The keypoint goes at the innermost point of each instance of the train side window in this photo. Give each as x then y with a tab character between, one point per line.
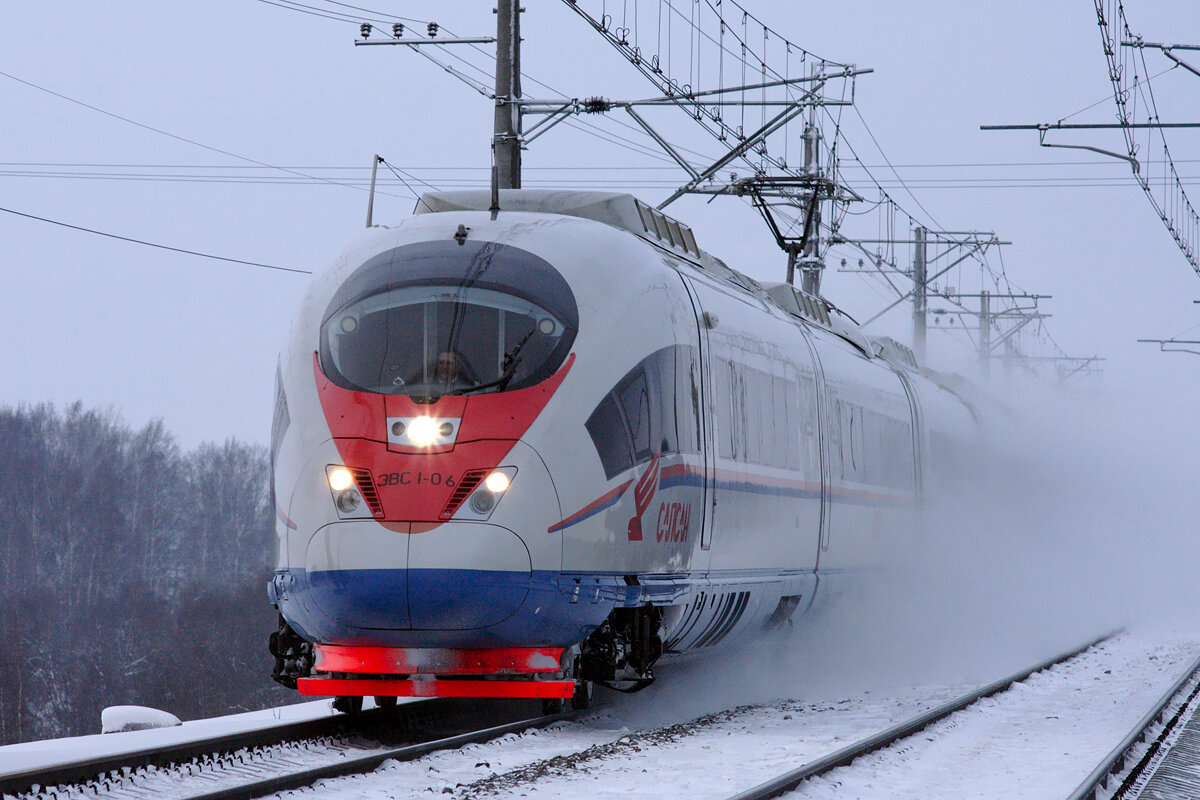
653	409
635	401
785	435
787	397
837	466
687	399
750	416
610	436
660	371
853	467
810	441
723	394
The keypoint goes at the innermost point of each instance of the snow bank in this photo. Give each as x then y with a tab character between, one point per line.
118	719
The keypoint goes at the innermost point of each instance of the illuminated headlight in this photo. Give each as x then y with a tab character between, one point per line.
497	482
347	498
422	431
488	494
340	479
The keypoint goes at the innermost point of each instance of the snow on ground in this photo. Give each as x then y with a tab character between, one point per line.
687	738
1038	740
33	755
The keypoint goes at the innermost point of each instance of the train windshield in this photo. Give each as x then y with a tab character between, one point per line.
429	341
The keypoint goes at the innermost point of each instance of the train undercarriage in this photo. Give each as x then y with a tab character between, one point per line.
620	654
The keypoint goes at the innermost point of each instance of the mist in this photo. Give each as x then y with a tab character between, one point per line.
1076	520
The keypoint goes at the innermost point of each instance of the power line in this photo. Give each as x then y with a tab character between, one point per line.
170	135
357	167
153	244
661	183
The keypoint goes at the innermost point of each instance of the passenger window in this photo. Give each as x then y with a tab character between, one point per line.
610	435
723	394
635	401
654	408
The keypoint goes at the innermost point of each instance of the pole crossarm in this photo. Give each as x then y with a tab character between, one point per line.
849	72
420	42
1085	126
737	151
930	279
1166	51
1191	346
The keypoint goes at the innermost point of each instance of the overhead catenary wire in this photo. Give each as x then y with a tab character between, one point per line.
168	134
157	245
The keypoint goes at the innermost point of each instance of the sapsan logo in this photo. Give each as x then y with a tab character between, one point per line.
643	495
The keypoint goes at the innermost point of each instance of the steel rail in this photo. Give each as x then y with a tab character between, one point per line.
366	763
382	722
1114	763
840	758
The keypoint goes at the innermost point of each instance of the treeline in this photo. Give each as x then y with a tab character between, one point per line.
131	572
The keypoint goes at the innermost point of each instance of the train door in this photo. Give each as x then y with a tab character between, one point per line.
706	433
765	487
824	433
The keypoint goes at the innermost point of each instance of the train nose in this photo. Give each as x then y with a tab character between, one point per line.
456	576
464	575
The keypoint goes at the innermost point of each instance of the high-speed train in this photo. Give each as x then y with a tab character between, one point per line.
518	452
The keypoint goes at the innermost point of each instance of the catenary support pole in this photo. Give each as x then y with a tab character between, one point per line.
371	196
506	140
920	298
985	332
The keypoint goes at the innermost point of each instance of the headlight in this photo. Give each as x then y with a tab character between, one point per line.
422	431
348	501
497	482
340	479
483	501
487	494
345	492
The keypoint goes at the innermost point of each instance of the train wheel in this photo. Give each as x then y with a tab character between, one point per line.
583	695
553	705
385	702
348	705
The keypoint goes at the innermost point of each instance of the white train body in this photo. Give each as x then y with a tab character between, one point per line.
689	457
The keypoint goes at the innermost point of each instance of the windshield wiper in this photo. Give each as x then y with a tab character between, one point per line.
512	360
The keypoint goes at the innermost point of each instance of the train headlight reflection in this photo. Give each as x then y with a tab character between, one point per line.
483	501
423	431
348	501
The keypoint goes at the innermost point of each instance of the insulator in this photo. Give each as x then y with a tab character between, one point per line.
365	29
433	29
398	29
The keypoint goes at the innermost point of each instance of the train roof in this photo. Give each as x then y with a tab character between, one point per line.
624	211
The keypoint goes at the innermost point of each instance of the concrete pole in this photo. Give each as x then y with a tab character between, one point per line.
506	140
985	332
810	262
371	197
920	298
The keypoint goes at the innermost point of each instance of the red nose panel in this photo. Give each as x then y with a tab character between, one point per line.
417	486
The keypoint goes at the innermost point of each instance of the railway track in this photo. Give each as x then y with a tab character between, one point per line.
792	779
259	762
1158	757
294	759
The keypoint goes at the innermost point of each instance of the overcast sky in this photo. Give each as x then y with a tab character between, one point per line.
154	333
